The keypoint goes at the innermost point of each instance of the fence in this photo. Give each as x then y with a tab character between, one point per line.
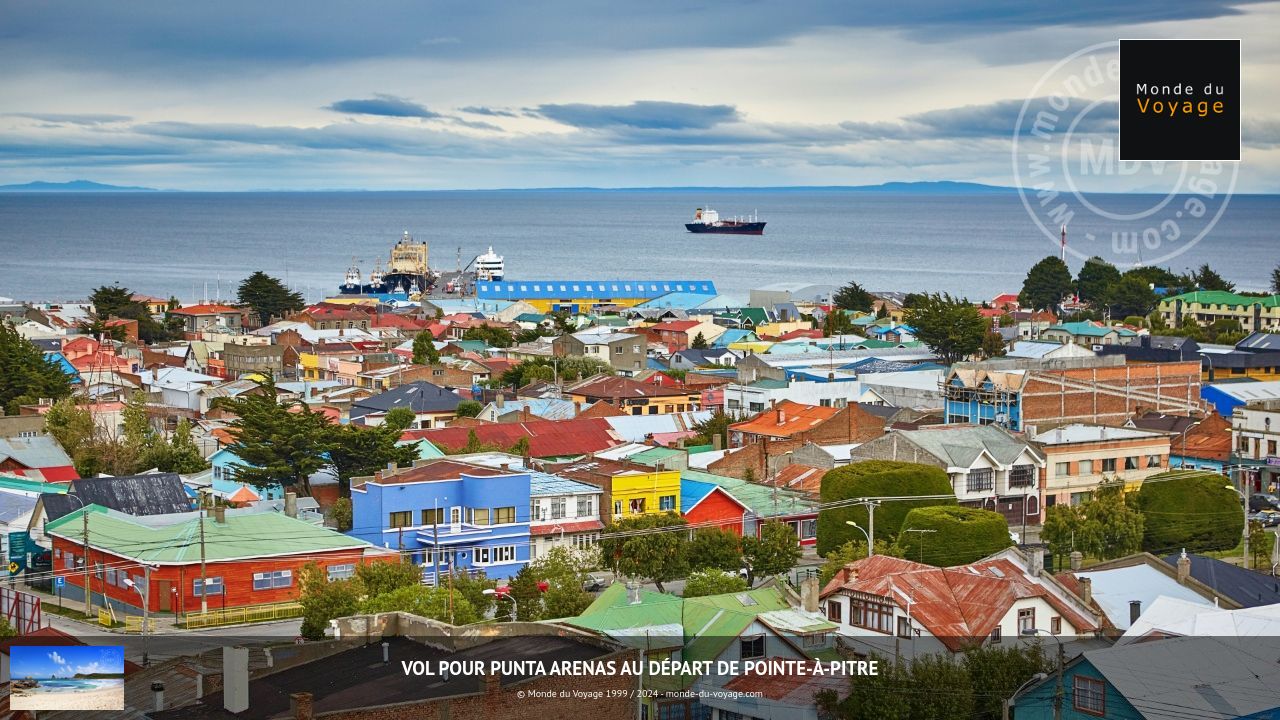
21	610
236	616
133	623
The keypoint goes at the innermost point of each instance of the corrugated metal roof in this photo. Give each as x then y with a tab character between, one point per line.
589	289
547	438
634	428
1077	433
40	451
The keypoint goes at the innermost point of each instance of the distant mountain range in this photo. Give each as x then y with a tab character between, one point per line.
72	186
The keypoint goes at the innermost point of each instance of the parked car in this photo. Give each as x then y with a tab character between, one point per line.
1263	501
593	584
1268	518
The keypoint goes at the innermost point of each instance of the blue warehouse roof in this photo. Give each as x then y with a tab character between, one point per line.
590	289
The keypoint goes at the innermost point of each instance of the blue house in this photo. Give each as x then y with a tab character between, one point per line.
225	466
447	515
1187	677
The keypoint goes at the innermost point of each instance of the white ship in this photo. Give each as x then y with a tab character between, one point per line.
489	266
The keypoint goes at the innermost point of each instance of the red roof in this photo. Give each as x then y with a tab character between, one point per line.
209	309
954	604
392	320
676	325
547	438
786	419
443	469
788	688
59	473
584	526
802	333
804	478
612	386
337	311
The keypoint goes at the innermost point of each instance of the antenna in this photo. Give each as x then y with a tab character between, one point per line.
1064	243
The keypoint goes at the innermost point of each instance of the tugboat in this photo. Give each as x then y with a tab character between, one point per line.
407	272
708	221
351	285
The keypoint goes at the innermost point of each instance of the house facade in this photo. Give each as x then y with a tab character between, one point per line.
1205	307
627	489
633	397
1255	442
624	352
1079	458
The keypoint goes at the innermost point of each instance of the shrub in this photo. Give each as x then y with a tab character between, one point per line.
876	478
961	535
713	582
1192	510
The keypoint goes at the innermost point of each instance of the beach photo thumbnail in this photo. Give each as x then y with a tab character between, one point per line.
67	677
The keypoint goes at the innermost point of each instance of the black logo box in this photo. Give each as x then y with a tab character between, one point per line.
1205	73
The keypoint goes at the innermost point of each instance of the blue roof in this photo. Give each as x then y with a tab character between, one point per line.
589	289
733	335
678	300
693	491
541	483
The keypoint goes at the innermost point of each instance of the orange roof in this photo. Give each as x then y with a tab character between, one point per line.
676	325
786	419
244	495
804	478
209	309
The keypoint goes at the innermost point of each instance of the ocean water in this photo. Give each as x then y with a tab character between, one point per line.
62	685
61	246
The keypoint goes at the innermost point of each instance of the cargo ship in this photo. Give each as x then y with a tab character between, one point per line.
407	273
708	221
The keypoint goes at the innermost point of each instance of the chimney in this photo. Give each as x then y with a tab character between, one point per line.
235	679
220	515
577	408
633	592
1036	562
500	401
525	415
782	415
392	467
301	706
809	594
1135	611
505	465
291	504
1184	568
386	653
717	442
492	684
157	690
1077	560
1086	590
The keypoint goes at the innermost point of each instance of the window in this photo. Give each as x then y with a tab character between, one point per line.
637	506
1062	469
752	647
1055	625
69	561
808	529
1131	462
479	516
996	636
401	519
494	555
536	512
816	640
904	627
1153	461
269	580
434	516
617	507
835	613
667	502
1026	620
341	572
1086	467
980	480
1022	476
557	508
618	350
1109	465
585	506
871	615
212	585
111	576
504	515
1089	695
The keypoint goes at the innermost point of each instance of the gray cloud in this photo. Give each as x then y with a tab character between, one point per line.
491	112
73	118
642	114
384	106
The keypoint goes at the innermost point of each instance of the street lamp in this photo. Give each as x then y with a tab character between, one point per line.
870	550
144	593
1244	502
507	595
1057	693
1006	704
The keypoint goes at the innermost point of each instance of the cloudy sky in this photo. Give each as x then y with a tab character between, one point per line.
414	94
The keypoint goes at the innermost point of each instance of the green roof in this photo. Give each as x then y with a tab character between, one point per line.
693	449
17	483
1088	329
654	455
530	317
426	449
478	346
1222	297
760	499
249	535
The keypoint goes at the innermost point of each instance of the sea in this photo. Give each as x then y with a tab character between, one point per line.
59	246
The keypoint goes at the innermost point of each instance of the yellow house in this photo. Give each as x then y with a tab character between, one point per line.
629	490
309	365
755	346
1203	307
778	329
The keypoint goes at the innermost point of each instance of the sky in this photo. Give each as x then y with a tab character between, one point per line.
420	94
64	661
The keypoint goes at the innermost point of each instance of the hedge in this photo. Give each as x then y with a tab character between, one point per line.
1192	510
960	535
876	478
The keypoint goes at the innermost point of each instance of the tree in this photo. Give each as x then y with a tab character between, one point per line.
6	630
712	582
564	570
281	443
569	369
491	335
341	513
715	426
359	450
837	322
1105	526
1260	543
853	297
876	478
959	535
472	587
1207	279
322	600
267	297
699	342
993	345
1131	296
774	552
1047	283
186	456
380	578
424	349
74	429
1096	279
426	601
658	555
113	301
952	328
1192	510
715	549
469	408
1275	280
26	375
852	551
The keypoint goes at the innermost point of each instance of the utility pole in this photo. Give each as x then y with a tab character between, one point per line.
871	506
204	581
88	589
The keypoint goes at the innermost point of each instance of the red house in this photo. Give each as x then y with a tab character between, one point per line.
706	505
251	558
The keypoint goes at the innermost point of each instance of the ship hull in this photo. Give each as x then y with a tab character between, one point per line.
727	228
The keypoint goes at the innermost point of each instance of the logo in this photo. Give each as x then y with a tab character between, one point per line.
1180	100
1083	197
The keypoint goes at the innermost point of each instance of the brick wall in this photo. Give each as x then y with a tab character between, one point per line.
1114	394
851	424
